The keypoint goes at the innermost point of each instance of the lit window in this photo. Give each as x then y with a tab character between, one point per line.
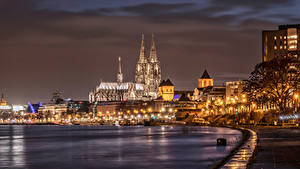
280	37
284	42
280	47
275	47
284	46
284	37
275	37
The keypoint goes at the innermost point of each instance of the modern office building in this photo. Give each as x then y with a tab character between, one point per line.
281	43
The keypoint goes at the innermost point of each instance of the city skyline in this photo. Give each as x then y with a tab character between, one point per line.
48	45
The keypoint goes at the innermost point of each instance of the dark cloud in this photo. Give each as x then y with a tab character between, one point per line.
154	9
255	4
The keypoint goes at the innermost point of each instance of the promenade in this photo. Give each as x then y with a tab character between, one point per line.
277	148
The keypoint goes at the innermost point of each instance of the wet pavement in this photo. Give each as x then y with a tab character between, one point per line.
241	158
277	149
60	147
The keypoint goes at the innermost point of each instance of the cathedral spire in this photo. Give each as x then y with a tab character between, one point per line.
142	58
120	74
153	55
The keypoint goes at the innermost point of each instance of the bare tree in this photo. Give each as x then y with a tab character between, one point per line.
274	83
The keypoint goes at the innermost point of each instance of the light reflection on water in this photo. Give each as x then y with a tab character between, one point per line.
112	147
12	148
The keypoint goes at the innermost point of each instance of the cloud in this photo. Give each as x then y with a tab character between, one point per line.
154	9
255	4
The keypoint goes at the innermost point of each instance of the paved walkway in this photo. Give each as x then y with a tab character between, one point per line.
277	148
241	158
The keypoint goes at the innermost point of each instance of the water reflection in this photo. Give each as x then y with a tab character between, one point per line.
112	147
12	148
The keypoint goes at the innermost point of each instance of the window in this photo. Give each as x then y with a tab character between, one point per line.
275	47
280	47
280	37
292	38
275	37
284	46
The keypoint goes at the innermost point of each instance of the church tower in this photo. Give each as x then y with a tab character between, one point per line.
205	80
140	73
2	101
120	74
153	71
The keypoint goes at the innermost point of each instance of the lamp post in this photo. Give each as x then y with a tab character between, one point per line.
296	96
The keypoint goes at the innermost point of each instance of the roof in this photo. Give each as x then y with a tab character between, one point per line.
162	83
166	83
183	97
119	86
205	75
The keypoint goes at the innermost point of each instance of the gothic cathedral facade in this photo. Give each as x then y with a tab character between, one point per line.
148	70
145	87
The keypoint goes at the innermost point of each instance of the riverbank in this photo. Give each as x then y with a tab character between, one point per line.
245	137
278	147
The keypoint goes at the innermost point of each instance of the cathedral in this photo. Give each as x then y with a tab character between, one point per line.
145	87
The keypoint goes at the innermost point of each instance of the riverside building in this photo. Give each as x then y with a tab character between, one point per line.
281	43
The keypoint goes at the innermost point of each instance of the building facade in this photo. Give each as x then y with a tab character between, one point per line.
148	70
281	43
145	87
205	80
166	90
2	101
234	92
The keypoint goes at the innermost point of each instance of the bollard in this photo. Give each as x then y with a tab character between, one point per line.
221	142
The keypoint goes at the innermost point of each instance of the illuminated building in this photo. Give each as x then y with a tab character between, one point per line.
13	108
281	43
205	80
234	92
206	89
4	107
145	87
2	101
117	91
78	106
148	71
53	108
213	93
166	90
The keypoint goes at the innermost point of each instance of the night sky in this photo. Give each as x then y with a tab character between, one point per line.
71	45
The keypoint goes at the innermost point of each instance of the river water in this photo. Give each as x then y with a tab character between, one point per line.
110	147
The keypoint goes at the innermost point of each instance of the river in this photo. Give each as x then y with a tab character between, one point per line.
111	147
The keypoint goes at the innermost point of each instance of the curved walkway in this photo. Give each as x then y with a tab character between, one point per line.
241	158
277	148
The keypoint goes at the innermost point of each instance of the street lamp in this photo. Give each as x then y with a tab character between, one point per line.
296	96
